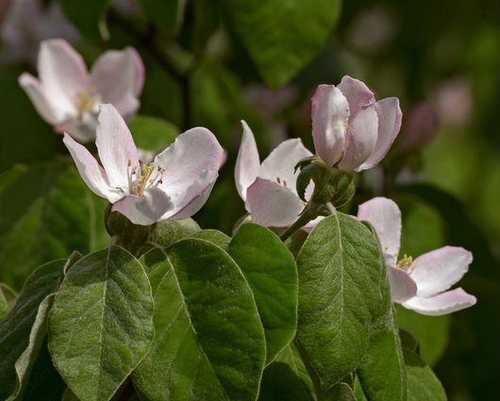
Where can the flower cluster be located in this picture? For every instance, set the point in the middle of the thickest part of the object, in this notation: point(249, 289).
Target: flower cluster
point(350, 129)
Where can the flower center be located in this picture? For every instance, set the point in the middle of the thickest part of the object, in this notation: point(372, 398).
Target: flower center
point(87, 102)
point(145, 176)
point(405, 263)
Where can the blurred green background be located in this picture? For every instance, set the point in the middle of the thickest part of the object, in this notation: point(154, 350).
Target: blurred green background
point(215, 62)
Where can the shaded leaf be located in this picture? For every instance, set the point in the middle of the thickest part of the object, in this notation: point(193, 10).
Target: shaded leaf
point(423, 385)
point(152, 134)
point(88, 16)
point(209, 342)
point(167, 15)
point(102, 319)
point(270, 270)
point(280, 383)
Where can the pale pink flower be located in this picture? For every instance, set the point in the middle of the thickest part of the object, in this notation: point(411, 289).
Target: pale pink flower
point(351, 130)
point(175, 185)
point(67, 96)
point(269, 188)
point(422, 284)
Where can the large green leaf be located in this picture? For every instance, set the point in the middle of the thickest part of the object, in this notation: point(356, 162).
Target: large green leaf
point(423, 385)
point(47, 212)
point(280, 383)
point(101, 323)
point(214, 236)
point(282, 36)
point(340, 274)
point(23, 330)
point(88, 16)
point(270, 269)
point(210, 343)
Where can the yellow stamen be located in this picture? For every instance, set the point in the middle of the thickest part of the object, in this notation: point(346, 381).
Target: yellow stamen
point(405, 263)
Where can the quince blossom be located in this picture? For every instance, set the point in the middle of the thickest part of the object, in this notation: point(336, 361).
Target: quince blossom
point(421, 284)
point(175, 185)
point(68, 97)
point(351, 130)
point(269, 188)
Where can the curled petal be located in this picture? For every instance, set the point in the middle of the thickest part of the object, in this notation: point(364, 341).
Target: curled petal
point(118, 76)
point(385, 217)
point(330, 116)
point(389, 124)
point(402, 285)
point(62, 72)
point(441, 304)
point(90, 170)
point(438, 270)
point(116, 147)
point(357, 94)
point(43, 103)
point(194, 206)
point(247, 162)
point(144, 210)
point(272, 205)
point(190, 165)
point(361, 139)
point(281, 162)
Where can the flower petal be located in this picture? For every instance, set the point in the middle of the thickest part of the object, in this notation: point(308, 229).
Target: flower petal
point(247, 162)
point(330, 116)
point(272, 205)
point(441, 304)
point(281, 162)
point(384, 215)
point(90, 170)
point(62, 73)
point(194, 206)
point(191, 164)
point(389, 124)
point(116, 147)
point(360, 140)
point(402, 285)
point(357, 94)
point(43, 103)
point(144, 210)
point(118, 76)
point(438, 270)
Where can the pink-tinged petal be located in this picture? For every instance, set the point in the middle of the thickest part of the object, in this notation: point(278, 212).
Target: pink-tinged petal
point(279, 166)
point(192, 207)
point(357, 94)
point(441, 304)
point(360, 140)
point(191, 164)
point(436, 271)
point(90, 170)
point(116, 147)
point(402, 285)
point(385, 217)
point(144, 210)
point(247, 162)
point(118, 77)
point(389, 124)
point(272, 205)
point(330, 116)
point(62, 73)
point(43, 104)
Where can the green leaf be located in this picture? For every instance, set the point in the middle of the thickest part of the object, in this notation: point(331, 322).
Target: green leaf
point(282, 37)
point(23, 330)
point(341, 392)
point(382, 372)
point(340, 273)
point(166, 233)
point(7, 299)
point(209, 343)
point(280, 382)
point(102, 320)
point(167, 15)
point(291, 357)
point(88, 16)
point(270, 270)
point(47, 212)
point(216, 237)
point(423, 385)
point(152, 134)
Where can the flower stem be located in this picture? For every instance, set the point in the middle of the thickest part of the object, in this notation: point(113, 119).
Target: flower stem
point(310, 213)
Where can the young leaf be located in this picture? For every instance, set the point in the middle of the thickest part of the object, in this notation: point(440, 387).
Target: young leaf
point(423, 385)
point(210, 343)
point(340, 271)
point(23, 330)
point(166, 233)
point(282, 37)
point(101, 323)
point(270, 270)
point(47, 212)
